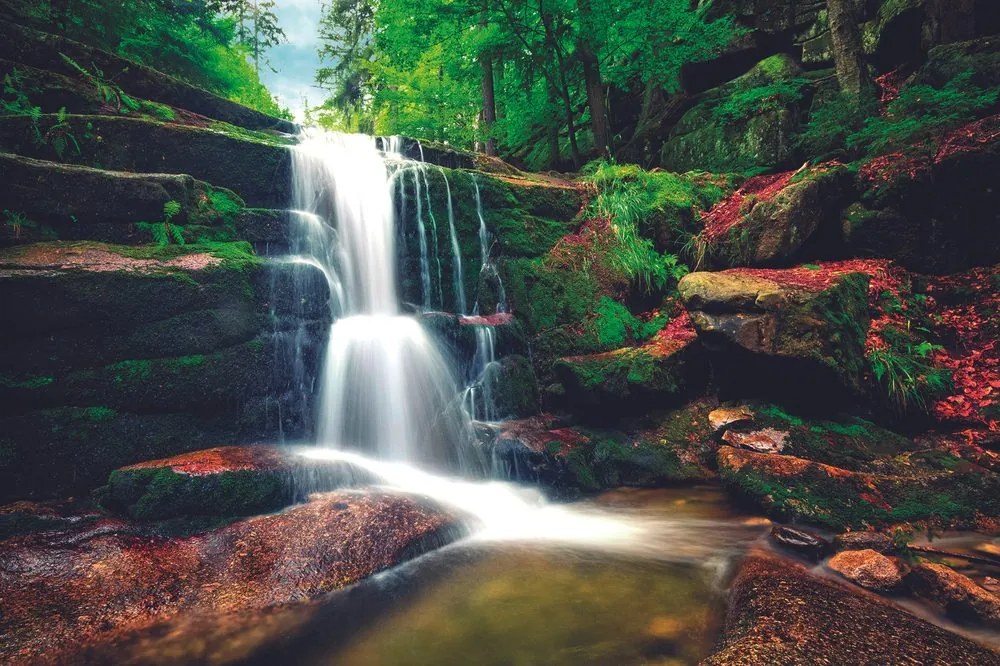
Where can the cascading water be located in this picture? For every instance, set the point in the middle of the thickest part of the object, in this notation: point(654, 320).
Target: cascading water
point(385, 388)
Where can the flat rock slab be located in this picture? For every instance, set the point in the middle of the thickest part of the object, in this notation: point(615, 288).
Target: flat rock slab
point(781, 614)
point(63, 592)
point(224, 481)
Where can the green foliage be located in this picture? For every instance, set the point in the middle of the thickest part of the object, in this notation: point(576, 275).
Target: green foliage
point(921, 111)
point(905, 370)
point(760, 99)
point(16, 222)
point(165, 232)
point(198, 42)
point(416, 66)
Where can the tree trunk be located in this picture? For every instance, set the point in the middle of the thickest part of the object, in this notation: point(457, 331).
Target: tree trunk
point(553, 42)
point(489, 102)
point(592, 79)
point(852, 73)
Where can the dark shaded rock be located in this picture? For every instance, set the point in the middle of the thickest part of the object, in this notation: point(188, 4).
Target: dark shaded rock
point(65, 591)
point(510, 389)
point(817, 323)
point(225, 481)
point(865, 540)
point(830, 624)
point(799, 540)
point(430, 152)
point(44, 51)
point(258, 169)
point(959, 595)
point(867, 568)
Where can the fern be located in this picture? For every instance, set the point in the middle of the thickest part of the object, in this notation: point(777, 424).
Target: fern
point(162, 233)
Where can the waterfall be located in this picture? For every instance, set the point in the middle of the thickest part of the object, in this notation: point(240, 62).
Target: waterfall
point(487, 269)
point(457, 278)
point(385, 388)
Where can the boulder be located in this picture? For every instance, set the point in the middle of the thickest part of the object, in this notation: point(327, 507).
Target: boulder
point(782, 222)
point(64, 591)
point(780, 613)
point(959, 595)
point(655, 374)
point(792, 488)
point(725, 133)
point(800, 327)
point(867, 568)
point(767, 440)
point(224, 481)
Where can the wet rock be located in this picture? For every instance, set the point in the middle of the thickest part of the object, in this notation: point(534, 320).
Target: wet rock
point(76, 589)
point(729, 417)
point(655, 374)
point(802, 325)
point(868, 568)
point(225, 481)
point(865, 540)
point(799, 540)
point(779, 613)
point(959, 595)
point(767, 440)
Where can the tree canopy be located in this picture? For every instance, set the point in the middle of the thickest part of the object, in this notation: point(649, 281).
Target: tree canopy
point(546, 80)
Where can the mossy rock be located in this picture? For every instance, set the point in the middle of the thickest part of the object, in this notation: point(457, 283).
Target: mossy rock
point(256, 168)
point(764, 325)
point(81, 203)
point(792, 488)
point(748, 123)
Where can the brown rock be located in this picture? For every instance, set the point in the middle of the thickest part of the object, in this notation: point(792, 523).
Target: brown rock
point(805, 542)
point(729, 417)
point(61, 592)
point(868, 568)
point(861, 540)
point(767, 440)
point(959, 595)
point(779, 613)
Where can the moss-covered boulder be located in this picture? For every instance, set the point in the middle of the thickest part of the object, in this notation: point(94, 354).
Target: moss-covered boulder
point(832, 623)
point(632, 379)
point(803, 328)
point(939, 489)
point(225, 481)
point(747, 123)
point(82, 203)
point(774, 220)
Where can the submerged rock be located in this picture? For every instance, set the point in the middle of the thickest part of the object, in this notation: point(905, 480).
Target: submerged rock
point(800, 540)
point(779, 613)
point(65, 591)
point(959, 595)
point(868, 568)
point(865, 540)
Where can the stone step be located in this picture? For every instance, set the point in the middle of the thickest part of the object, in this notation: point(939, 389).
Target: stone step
point(254, 166)
point(49, 199)
point(45, 51)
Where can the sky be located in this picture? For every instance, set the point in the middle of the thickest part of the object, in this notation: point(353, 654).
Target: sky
point(296, 59)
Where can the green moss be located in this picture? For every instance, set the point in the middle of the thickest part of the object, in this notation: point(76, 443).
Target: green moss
point(251, 135)
point(100, 414)
point(131, 371)
point(29, 383)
